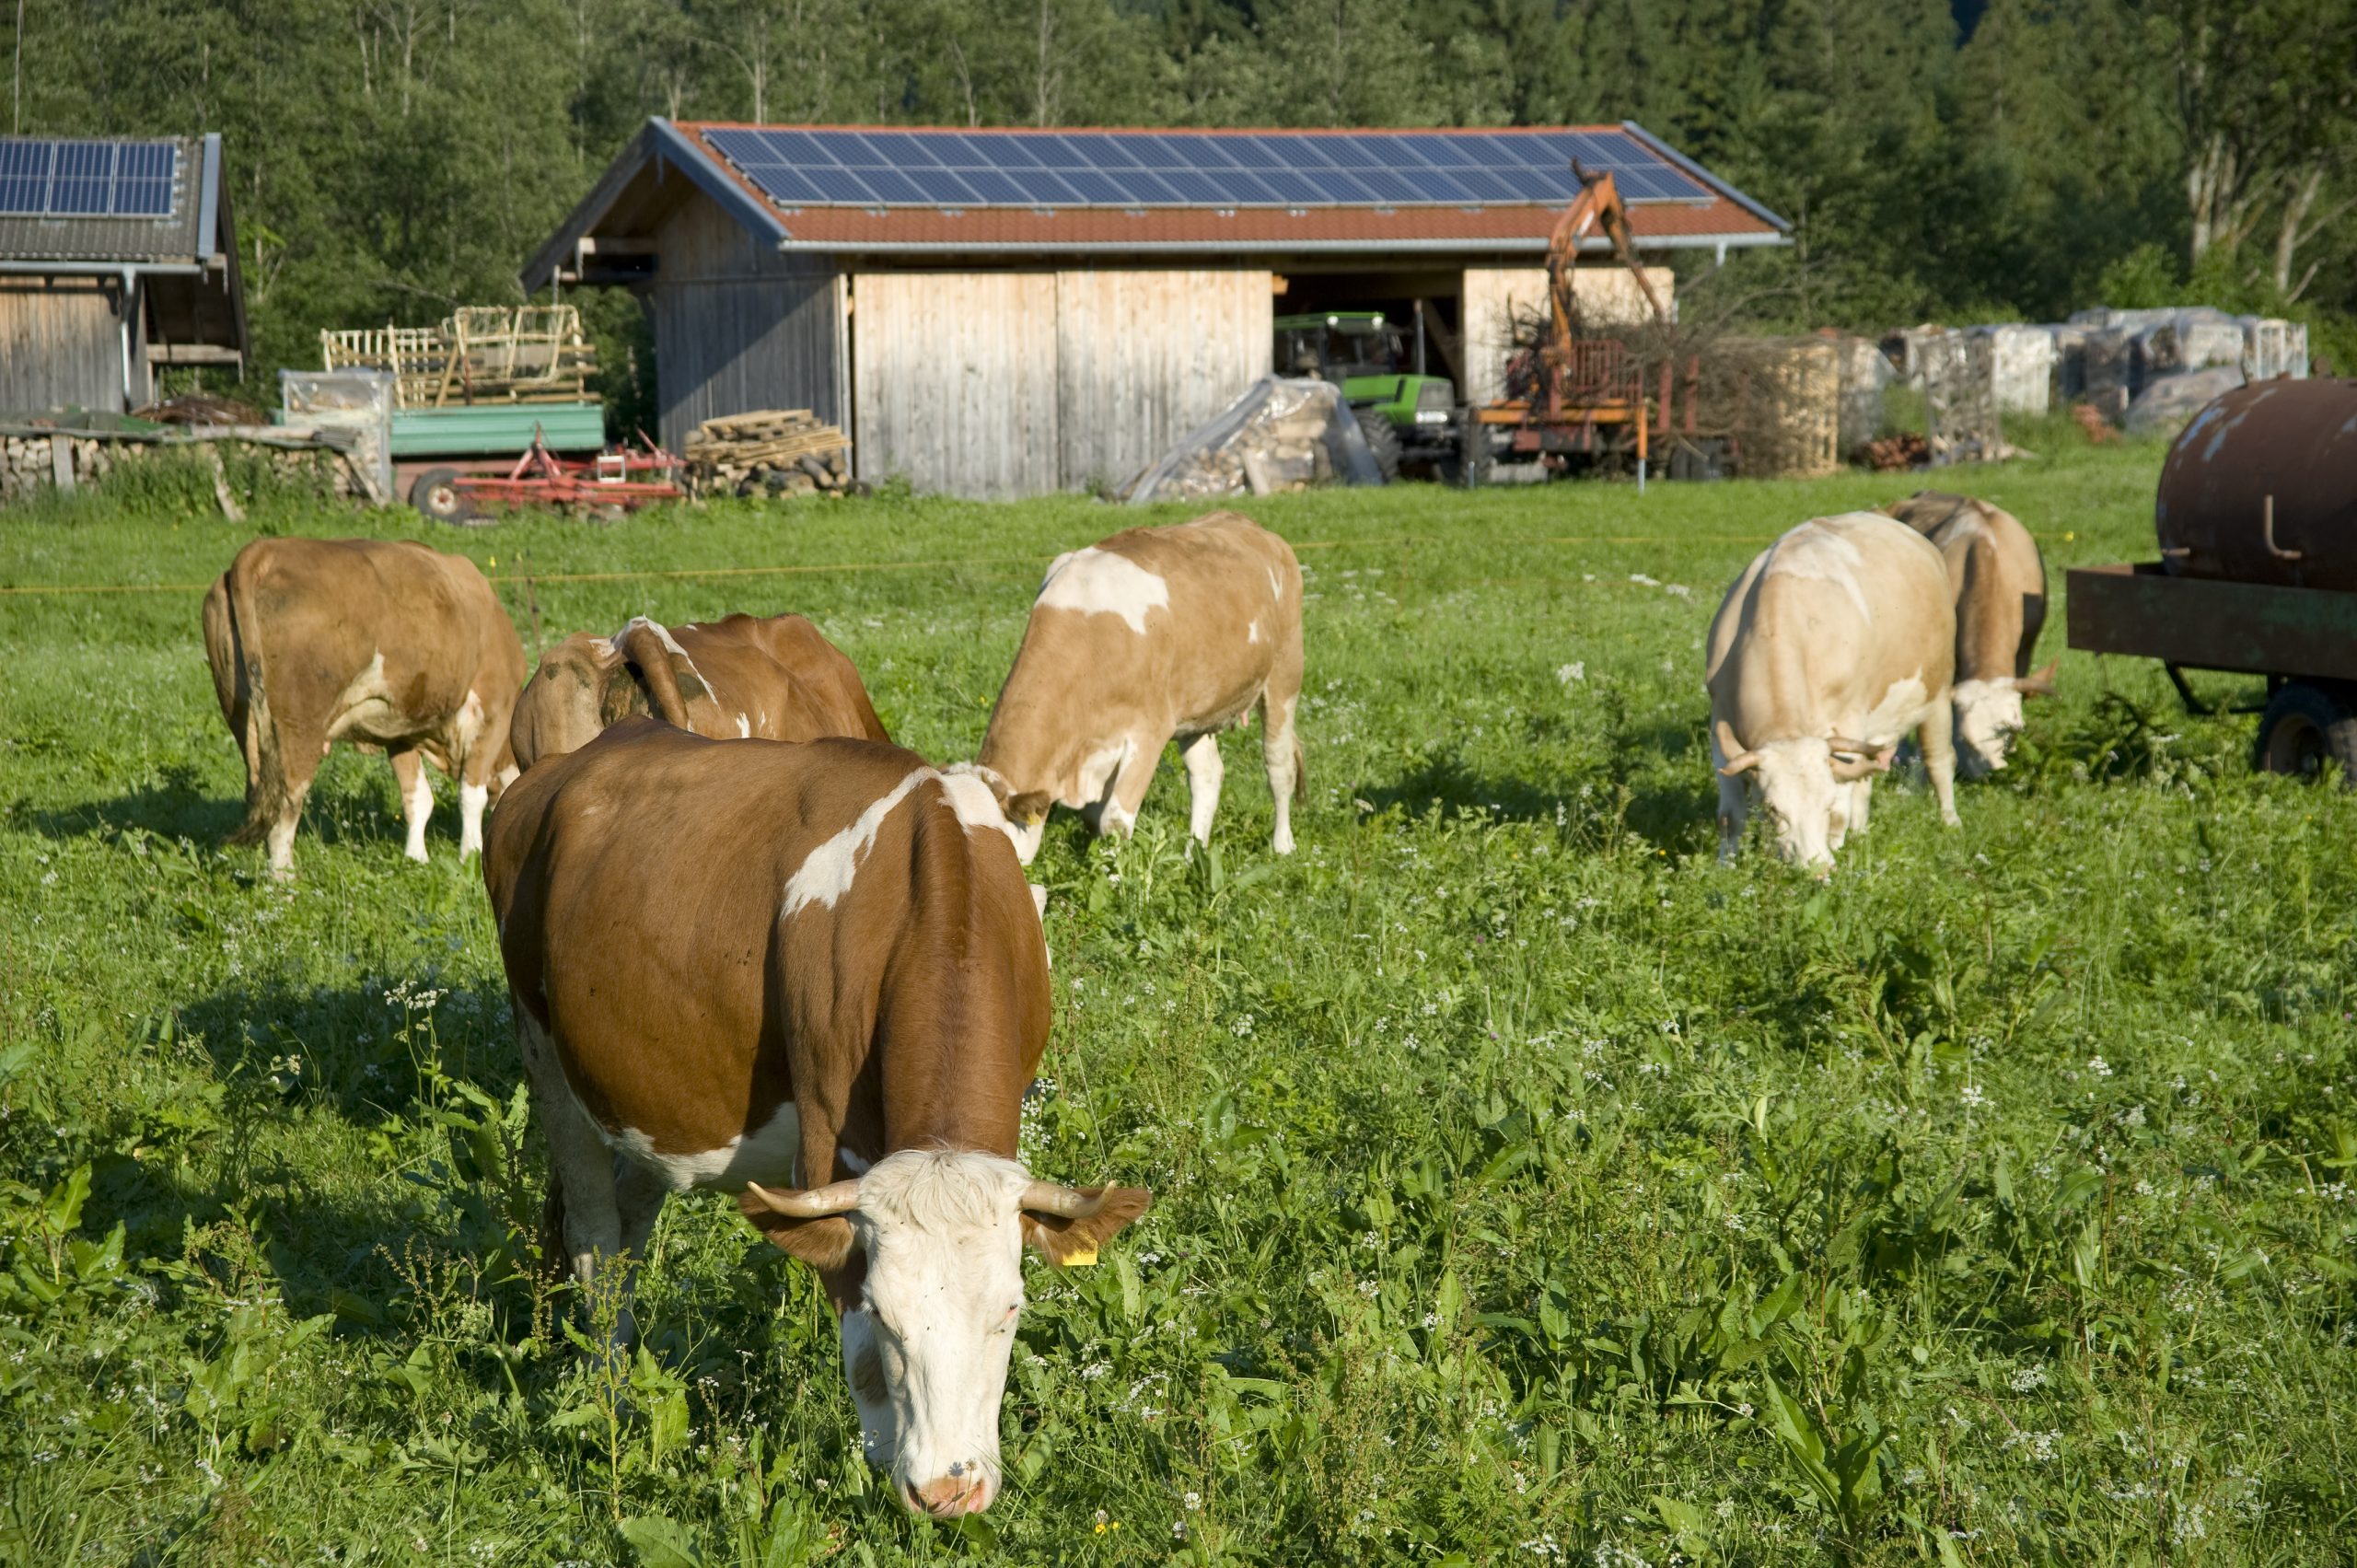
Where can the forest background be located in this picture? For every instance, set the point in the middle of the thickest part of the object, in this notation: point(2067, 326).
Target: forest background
point(1975, 161)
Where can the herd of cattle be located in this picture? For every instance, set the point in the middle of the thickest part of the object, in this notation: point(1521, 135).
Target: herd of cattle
point(813, 974)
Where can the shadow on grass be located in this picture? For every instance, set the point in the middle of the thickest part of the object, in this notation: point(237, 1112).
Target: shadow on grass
point(181, 805)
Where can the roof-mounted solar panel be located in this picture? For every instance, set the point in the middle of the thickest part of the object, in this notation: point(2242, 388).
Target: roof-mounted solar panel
point(1089, 168)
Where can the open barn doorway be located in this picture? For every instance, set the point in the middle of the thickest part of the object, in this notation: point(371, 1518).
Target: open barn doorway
point(1393, 343)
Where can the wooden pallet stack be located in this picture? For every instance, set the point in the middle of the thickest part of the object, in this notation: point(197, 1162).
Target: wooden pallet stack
point(777, 452)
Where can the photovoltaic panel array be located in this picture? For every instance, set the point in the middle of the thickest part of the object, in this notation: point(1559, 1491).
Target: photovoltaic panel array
point(1193, 168)
point(86, 179)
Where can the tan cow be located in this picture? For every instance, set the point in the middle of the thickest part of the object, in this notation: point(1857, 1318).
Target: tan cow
point(747, 965)
point(1837, 640)
point(777, 678)
point(2000, 580)
point(379, 641)
point(1147, 635)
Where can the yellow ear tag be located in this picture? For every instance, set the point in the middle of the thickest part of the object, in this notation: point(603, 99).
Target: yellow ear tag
point(1078, 1260)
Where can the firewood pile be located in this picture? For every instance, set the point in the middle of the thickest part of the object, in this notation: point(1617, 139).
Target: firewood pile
point(1891, 453)
point(775, 452)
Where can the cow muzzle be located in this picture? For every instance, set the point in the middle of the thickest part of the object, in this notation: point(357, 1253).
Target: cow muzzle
point(952, 1496)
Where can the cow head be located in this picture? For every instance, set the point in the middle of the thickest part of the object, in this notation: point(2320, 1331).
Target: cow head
point(1802, 785)
point(1989, 717)
point(924, 1258)
point(566, 702)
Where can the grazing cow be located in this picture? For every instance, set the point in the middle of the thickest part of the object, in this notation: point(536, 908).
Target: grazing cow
point(2000, 580)
point(777, 678)
point(381, 642)
point(1152, 634)
point(1837, 640)
point(749, 965)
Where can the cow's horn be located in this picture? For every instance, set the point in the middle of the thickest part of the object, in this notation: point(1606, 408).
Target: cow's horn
point(835, 1198)
point(1738, 759)
point(2038, 682)
point(1066, 1202)
point(1843, 743)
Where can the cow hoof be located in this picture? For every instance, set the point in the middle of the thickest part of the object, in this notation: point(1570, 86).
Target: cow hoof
point(1282, 843)
point(416, 854)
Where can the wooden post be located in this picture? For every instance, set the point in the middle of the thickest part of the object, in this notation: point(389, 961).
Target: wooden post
point(61, 462)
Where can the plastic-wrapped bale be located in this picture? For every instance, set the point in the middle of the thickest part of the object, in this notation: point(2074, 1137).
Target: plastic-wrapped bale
point(1283, 434)
point(2164, 407)
point(1867, 375)
point(2108, 366)
point(2273, 347)
point(2021, 366)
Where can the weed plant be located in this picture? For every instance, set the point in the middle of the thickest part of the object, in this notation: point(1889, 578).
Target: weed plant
point(1529, 1188)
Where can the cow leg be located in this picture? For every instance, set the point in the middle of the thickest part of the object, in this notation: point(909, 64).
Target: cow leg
point(1204, 771)
point(417, 798)
point(473, 797)
point(1118, 813)
point(300, 761)
point(581, 1169)
point(1862, 797)
point(1937, 737)
point(1281, 754)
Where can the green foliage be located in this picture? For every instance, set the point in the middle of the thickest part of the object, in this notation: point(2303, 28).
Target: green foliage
point(1528, 1187)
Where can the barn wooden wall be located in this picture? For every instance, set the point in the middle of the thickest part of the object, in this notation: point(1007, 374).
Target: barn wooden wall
point(1006, 384)
point(1494, 295)
point(955, 376)
point(61, 344)
point(738, 326)
point(1143, 357)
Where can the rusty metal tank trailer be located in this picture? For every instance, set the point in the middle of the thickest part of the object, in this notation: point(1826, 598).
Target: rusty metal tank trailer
point(2256, 518)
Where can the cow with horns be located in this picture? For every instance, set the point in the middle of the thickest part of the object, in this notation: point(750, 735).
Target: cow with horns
point(811, 975)
point(1835, 642)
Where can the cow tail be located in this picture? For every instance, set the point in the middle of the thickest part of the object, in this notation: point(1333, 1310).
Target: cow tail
point(248, 705)
point(643, 646)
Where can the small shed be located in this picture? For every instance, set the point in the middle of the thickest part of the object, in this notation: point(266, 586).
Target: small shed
point(1006, 312)
point(116, 257)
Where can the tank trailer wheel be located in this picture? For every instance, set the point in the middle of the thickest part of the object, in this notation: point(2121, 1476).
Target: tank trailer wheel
point(2309, 723)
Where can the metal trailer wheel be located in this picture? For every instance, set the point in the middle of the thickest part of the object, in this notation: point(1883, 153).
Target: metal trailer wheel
point(1382, 440)
point(436, 494)
point(2309, 723)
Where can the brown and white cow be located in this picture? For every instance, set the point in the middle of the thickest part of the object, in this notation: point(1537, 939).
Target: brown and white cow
point(383, 643)
point(816, 967)
point(1837, 640)
point(742, 676)
point(2000, 582)
point(1147, 635)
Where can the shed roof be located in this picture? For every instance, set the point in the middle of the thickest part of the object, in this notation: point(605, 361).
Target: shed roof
point(157, 208)
point(939, 192)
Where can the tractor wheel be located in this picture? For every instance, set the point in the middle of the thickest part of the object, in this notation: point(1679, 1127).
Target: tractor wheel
point(436, 494)
point(2309, 723)
point(1382, 440)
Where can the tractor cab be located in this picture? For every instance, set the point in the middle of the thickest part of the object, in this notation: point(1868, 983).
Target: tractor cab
point(1405, 415)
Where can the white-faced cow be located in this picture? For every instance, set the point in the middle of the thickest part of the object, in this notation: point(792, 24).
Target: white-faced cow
point(1151, 635)
point(2000, 582)
point(1837, 640)
point(777, 678)
point(749, 965)
point(379, 641)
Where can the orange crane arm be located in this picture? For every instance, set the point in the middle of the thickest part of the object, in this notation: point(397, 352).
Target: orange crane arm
point(1597, 206)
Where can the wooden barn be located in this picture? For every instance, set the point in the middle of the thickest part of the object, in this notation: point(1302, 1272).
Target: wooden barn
point(117, 257)
point(1008, 312)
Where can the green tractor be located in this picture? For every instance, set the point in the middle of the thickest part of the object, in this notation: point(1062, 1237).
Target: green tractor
point(1407, 416)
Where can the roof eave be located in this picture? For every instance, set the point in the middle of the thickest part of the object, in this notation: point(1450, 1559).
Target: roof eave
point(663, 143)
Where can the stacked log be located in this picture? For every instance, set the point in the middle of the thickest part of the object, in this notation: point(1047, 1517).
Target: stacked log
point(774, 452)
point(30, 462)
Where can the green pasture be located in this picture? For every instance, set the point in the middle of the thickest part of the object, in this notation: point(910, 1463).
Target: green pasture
point(1529, 1189)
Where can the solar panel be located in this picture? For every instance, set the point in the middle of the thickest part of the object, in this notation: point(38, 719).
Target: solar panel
point(84, 183)
point(24, 176)
point(939, 167)
point(96, 180)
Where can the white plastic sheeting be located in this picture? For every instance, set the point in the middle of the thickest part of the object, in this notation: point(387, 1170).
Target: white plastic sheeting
point(1284, 432)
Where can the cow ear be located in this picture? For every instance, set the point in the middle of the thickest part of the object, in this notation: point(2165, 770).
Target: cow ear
point(1029, 807)
point(1069, 1242)
point(2038, 682)
point(827, 1243)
